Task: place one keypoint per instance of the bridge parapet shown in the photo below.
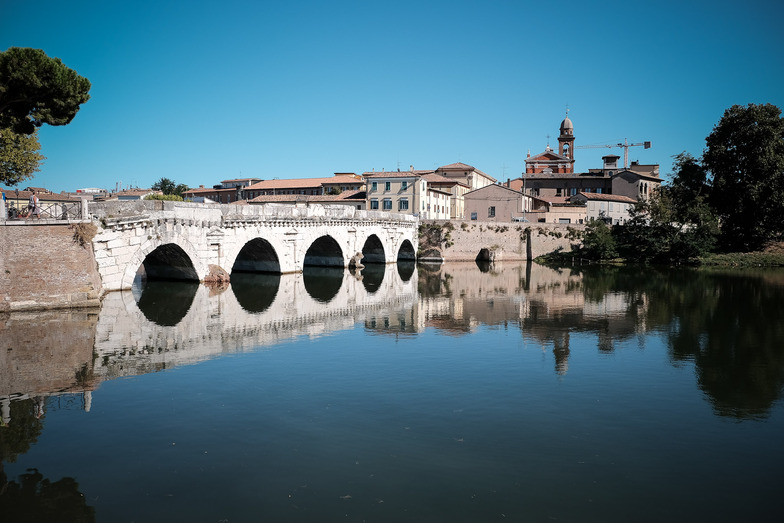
(227, 213)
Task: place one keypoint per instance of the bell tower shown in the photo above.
(566, 139)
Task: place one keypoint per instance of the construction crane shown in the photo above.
(625, 146)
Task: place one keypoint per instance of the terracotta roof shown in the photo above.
(11, 194)
(607, 197)
(206, 190)
(553, 199)
(299, 183)
(397, 174)
(311, 198)
(241, 180)
(637, 173)
(134, 192)
(437, 179)
(460, 166)
(457, 166)
(497, 186)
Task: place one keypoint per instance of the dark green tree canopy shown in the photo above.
(36, 89)
(745, 157)
(168, 186)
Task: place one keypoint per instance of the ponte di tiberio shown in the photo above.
(198, 242)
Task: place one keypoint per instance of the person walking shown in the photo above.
(34, 206)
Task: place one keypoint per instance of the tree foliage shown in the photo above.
(19, 156)
(164, 197)
(598, 242)
(167, 186)
(745, 156)
(36, 89)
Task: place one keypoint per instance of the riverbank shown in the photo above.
(772, 256)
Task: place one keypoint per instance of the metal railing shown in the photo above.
(66, 210)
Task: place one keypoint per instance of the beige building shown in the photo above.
(610, 208)
(496, 203)
(455, 187)
(467, 174)
(407, 192)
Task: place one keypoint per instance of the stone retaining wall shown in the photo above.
(463, 241)
(43, 267)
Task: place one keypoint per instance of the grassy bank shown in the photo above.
(773, 256)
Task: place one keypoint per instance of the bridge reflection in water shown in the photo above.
(165, 324)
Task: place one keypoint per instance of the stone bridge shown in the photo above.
(197, 242)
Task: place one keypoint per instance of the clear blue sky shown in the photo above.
(201, 92)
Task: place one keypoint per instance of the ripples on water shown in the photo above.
(402, 393)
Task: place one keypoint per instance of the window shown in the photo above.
(374, 204)
(473, 216)
(404, 186)
(387, 204)
(387, 186)
(402, 204)
(491, 212)
(374, 186)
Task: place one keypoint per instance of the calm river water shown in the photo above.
(425, 394)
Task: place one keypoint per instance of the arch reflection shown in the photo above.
(166, 303)
(322, 283)
(372, 276)
(255, 292)
(405, 269)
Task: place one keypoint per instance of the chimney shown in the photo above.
(508, 182)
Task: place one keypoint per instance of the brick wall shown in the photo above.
(41, 266)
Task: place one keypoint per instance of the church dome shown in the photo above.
(567, 124)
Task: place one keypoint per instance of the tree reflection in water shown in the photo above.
(34, 498)
(727, 322)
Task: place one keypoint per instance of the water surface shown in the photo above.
(429, 393)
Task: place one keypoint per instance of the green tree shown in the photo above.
(167, 186)
(745, 157)
(598, 242)
(19, 156)
(36, 89)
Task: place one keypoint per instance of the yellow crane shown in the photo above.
(625, 146)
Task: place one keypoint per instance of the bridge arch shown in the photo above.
(406, 251)
(373, 250)
(164, 260)
(258, 255)
(325, 251)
